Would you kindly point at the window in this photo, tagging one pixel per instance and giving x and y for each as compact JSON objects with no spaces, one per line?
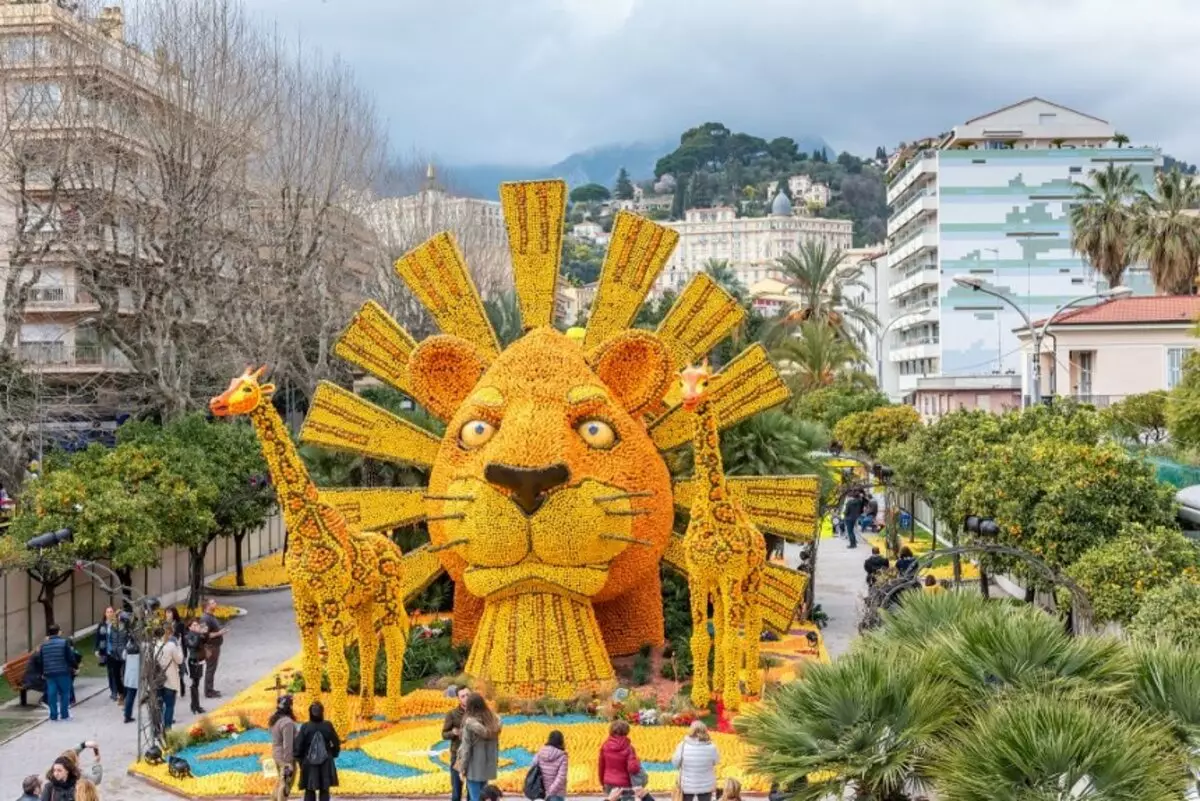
{"x":1046,"y":119}
{"x":1176,"y":358}
{"x":37,"y":99}
{"x":1076,"y":169}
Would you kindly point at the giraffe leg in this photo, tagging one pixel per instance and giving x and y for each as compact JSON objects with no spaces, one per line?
{"x":731,"y":591}
{"x":393,"y":625}
{"x":338,"y":710}
{"x":718,"y":686}
{"x":752,"y":633}
{"x":368,"y":651}
{"x":308,"y":618}
{"x":701,"y":694}
{"x":395,"y":639}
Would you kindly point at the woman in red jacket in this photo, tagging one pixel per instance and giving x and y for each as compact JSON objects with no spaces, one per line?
{"x":621,"y":772}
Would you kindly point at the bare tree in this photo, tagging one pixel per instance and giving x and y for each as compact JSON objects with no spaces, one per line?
{"x":321,"y":147}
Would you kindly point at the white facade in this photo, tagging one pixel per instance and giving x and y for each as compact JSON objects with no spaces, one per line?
{"x":750,"y":244}
{"x":478,"y":226}
{"x":989,"y":201}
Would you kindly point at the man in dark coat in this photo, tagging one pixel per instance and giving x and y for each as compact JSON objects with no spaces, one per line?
{"x":875,"y":562}
{"x":58,"y":659}
{"x":452,"y":733}
{"x":854,"y":508}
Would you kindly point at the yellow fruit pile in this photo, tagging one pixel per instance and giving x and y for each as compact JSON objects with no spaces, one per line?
{"x":265,"y":574}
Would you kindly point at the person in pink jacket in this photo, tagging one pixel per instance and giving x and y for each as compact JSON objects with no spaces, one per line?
{"x":551,"y":759}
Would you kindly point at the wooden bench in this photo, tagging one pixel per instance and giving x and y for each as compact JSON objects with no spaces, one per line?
{"x":14,"y":673}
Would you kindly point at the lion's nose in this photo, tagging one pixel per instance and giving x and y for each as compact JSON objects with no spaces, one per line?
{"x":528,"y":485}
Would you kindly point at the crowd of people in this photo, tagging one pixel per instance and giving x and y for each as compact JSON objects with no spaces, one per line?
{"x":860,"y":512}
{"x":179,"y":649}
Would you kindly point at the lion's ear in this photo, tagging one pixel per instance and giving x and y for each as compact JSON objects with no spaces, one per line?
{"x":636,"y":368}
{"x":444,"y":369}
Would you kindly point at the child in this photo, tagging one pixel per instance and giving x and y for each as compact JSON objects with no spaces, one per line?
{"x":32,"y":788}
{"x":732,"y":791}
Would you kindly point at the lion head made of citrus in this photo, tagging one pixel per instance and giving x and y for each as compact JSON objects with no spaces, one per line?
{"x":549,"y":501}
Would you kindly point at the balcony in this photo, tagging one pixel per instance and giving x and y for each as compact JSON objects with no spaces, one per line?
{"x":921,"y":203}
{"x":915,"y":278}
{"x":59,"y":299}
{"x":923,"y":348}
{"x":921,"y":165}
{"x":65,"y":357}
{"x":915,"y":314}
{"x":920,"y":240}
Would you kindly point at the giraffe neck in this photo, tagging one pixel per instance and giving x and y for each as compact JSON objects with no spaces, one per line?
{"x":706,"y":449}
{"x":293,"y":487}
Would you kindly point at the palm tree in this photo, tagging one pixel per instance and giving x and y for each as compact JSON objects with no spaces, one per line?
{"x":1166,"y":235}
{"x":816,"y":358}
{"x":816,"y":277}
{"x":1121,"y":139}
{"x":1102,"y":221}
{"x":863,"y":723}
{"x":720,"y":271}
{"x":504,"y":313}
{"x":1039,"y":746}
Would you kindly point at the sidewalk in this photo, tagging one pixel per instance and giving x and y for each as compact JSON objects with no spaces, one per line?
{"x":265,"y":637}
{"x":840,"y":584}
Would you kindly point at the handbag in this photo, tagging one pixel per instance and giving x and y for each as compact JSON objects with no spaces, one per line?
{"x":534,"y":786}
{"x":677,"y":791}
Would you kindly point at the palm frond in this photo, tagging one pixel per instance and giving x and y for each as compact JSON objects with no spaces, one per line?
{"x":1167,"y":682}
{"x":1043,"y":746}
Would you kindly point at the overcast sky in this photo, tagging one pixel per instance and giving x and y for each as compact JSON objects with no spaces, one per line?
{"x":530,"y":81}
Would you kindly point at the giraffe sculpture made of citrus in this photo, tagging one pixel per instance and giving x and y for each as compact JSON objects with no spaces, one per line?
{"x":346,"y":584}
{"x":726,"y":556}
{"x":549,"y":501}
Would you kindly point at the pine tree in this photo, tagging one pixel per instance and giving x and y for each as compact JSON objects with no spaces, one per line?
{"x":623,"y":190}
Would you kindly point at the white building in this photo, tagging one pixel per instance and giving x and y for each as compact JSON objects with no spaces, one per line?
{"x":749,"y":244}
{"x":478,"y":225}
{"x":988,"y":200}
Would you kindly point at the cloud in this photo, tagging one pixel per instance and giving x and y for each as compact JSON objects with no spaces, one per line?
{"x":529,"y":81}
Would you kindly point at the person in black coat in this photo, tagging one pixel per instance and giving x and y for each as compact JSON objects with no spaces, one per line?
{"x":317,"y":777}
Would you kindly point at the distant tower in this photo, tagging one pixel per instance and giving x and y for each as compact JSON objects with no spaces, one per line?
{"x":781,"y":206}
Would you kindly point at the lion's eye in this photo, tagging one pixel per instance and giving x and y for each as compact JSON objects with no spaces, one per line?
{"x":476,"y":433}
{"x":597,"y":434}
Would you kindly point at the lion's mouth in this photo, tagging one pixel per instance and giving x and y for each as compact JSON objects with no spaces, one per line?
{"x":584,"y":580}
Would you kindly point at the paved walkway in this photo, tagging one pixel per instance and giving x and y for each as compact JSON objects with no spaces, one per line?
{"x":266,"y":637}
{"x":840,"y":584}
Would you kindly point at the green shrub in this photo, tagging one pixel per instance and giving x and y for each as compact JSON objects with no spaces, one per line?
{"x":1117,"y":574}
{"x":1169,"y":614}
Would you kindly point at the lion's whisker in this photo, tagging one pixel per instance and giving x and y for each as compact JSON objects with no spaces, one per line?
{"x":450,"y":544}
{"x":449,"y":497}
{"x":621,"y":538}
{"x":454,"y":516}
{"x":627,"y":512}
{"x":620,"y":496}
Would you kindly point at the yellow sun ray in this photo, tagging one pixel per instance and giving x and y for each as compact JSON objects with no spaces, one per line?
{"x":636,"y":254}
{"x":783,"y":505}
{"x":535,"y":212}
{"x":749,"y":384}
{"x":340,"y":420}
{"x":421,"y":568}
{"x":378,"y":344}
{"x":377,"y":508}
{"x":782,"y":588}
{"x":437,"y":274}
{"x":702,"y":315}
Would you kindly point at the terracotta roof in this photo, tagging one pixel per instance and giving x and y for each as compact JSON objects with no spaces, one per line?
{"x":1131,"y":311}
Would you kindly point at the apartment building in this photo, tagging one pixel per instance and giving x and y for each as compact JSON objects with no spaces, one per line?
{"x":989,"y":200}
{"x":478,"y":225}
{"x":749,"y":244}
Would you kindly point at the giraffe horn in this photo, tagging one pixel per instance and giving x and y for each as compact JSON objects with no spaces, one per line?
{"x":258,"y":373}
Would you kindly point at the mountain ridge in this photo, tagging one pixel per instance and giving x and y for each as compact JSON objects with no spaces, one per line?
{"x":598,"y":164}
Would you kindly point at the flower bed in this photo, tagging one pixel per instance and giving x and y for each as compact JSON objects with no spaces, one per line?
{"x":944,"y":571}
{"x":222,"y":613}
{"x":409,"y":758}
{"x":267,"y":573}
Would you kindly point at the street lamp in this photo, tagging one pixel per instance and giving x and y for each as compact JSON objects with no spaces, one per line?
{"x":977,"y":285}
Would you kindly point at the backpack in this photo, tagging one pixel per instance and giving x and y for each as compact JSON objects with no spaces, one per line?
{"x":534,"y":786}
{"x":318,"y":752}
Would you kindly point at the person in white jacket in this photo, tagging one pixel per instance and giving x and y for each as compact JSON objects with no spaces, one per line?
{"x":696,"y":758}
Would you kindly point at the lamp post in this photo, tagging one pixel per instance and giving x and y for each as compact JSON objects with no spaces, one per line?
{"x":1037,"y":333}
{"x":879,"y":350}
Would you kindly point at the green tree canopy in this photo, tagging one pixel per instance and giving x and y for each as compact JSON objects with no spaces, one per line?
{"x":589,"y":193}
{"x":1139,"y":419}
{"x":1102,"y":221}
{"x":1169,"y":614}
{"x":1117,"y":574}
{"x":870,"y":432}
{"x":623,"y":190}
{"x":830,"y":404}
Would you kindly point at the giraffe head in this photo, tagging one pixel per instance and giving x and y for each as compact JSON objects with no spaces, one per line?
{"x":243,"y":396}
{"x":696,"y":384}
